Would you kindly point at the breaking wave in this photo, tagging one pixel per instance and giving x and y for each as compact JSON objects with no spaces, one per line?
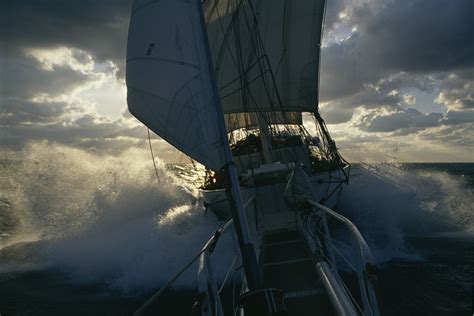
{"x":99,"y":218}
{"x":102,"y":218}
{"x":392,"y":204}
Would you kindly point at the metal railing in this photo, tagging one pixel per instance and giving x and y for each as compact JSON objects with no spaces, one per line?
{"x":209,"y":292}
{"x":209,"y":298}
{"x":364,"y":266}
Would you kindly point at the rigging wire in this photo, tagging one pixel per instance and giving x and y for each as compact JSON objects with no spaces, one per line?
{"x":152,"y":155}
{"x":210,"y":246}
{"x":155,"y":296}
{"x":246,"y":57}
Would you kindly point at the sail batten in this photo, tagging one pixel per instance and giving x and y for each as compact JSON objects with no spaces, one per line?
{"x":165,"y":60}
{"x":169,"y":79}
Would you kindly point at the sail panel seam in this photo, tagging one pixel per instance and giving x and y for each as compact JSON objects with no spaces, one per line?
{"x":165,"y":60}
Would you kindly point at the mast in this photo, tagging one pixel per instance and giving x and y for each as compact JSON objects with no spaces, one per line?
{"x":172,"y":90}
{"x":233,"y":191}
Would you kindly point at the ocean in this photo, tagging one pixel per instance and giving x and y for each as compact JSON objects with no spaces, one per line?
{"x":86,"y":234}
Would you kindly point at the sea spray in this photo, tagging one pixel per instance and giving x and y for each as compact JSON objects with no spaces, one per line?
{"x":391,"y":203}
{"x":105,"y":219}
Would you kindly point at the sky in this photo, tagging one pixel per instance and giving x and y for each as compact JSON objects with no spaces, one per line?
{"x":397,"y":78}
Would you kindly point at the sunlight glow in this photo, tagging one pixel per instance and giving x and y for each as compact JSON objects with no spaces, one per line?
{"x":102,"y":92}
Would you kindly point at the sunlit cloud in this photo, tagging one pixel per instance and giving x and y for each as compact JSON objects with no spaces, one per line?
{"x":101,"y":92}
{"x":76,"y":59}
{"x":396,"y":78}
{"x":457,"y":92}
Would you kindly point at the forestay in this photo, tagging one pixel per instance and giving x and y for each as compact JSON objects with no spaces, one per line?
{"x":266,"y":53}
{"x":170,"y":87}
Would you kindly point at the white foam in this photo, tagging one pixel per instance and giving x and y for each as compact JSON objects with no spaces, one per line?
{"x":389,"y":204}
{"x":106,"y":218}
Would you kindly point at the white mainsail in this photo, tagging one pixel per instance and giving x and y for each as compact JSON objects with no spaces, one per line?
{"x":170,"y":87}
{"x":280,"y":55}
{"x":250,"y":120}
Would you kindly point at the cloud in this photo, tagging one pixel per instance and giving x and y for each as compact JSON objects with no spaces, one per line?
{"x":400,"y":47}
{"x":458,"y":117}
{"x":459,"y":135}
{"x":392,"y":92}
{"x":51,"y":95}
{"x":62,"y":67}
{"x":335,"y":113}
{"x":333,"y":10}
{"x":457,"y":91}
{"x":76,"y":59}
{"x":409,"y":120}
{"x":17,"y":111}
{"x":24,"y":78}
{"x":61,"y":123}
{"x":407,"y":135}
{"x":57,"y":99}
{"x":441,"y":143}
{"x":61,"y":74}
{"x":99,"y":27}
{"x":404,"y":119}
{"x":417,"y":35}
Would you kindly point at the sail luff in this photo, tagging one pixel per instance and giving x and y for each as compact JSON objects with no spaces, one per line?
{"x":234,"y":194}
{"x":320,"y":43}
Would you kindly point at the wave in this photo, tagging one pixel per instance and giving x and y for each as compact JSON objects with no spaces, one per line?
{"x":103,"y":218}
{"x":391,"y":204}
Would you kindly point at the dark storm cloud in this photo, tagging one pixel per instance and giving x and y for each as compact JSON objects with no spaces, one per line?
{"x":335,"y":113}
{"x":458,"y":117}
{"x":26,"y":121}
{"x":418,"y":36}
{"x":17,"y":111}
{"x":413,"y":36}
{"x":405,"y":119}
{"x":24,"y":78}
{"x":462,"y":135}
{"x":409,"y":120}
{"x":96,"y":26}
{"x":92,"y":27}
{"x":457,"y":91}
{"x":384,"y":93}
{"x":333,"y":8}
{"x":398,"y":45}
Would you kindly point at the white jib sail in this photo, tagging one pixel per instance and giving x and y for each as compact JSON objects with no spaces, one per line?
{"x":169,"y":83}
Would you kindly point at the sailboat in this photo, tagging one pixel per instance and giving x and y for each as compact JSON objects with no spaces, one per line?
{"x":229,"y":83}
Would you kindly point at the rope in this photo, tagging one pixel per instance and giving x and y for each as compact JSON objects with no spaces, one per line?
{"x":342,"y":256}
{"x":152,"y":155}
{"x":228,"y":273}
{"x":210,"y":246}
{"x":350,"y":295}
{"x":155,"y":296}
